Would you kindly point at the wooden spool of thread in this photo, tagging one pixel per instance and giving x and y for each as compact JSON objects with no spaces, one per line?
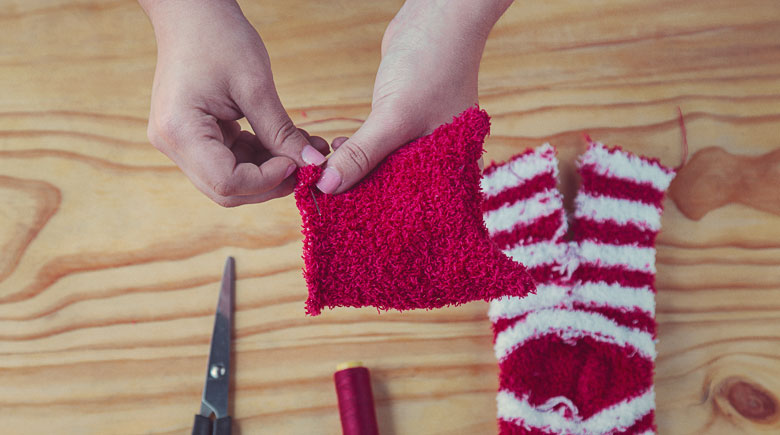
{"x":356,"y":402}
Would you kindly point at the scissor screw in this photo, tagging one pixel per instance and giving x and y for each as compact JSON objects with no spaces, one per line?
{"x":217,"y":371}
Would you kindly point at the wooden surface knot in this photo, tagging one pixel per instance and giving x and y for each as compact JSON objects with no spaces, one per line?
{"x":750,"y":400}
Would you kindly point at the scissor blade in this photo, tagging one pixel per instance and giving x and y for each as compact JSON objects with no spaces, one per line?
{"x":215,"y":391}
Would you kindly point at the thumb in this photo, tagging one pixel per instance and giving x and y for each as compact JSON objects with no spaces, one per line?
{"x":358,"y":155}
{"x":276,"y":131}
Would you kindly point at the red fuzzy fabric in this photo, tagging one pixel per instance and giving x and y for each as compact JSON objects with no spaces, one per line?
{"x":410,"y":234}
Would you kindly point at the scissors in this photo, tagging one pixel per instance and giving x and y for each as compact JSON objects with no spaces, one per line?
{"x":216,"y":388}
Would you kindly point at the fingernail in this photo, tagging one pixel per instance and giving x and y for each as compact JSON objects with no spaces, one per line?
{"x":290,"y":170}
{"x":330,"y":180}
{"x":311,"y":156}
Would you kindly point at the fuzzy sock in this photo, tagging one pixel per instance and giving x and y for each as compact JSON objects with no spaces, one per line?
{"x":410,"y":234}
{"x":577,"y":357}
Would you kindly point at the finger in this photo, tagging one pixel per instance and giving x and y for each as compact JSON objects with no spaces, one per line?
{"x":248,"y":149}
{"x":283,"y":189}
{"x":258,"y":153}
{"x":230,"y":131}
{"x":194,"y":140}
{"x":316,"y":141}
{"x":251,"y":179}
{"x":206,"y":158}
{"x":320,"y":144}
{"x":337,"y":142}
{"x":245,"y":153}
{"x":276,"y":131}
{"x":359,"y":154}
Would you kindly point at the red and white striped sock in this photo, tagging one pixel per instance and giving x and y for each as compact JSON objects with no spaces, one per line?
{"x":577,"y":357}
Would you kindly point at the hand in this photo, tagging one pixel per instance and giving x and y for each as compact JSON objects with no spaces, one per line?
{"x":213,"y":69}
{"x":430,"y":61}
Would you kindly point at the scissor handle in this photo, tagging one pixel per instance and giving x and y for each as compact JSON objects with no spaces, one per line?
{"x":204,"y":426}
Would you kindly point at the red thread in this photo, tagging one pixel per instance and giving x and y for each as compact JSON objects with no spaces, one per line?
{"x":356,"y":403}
{"x":684,"y":140}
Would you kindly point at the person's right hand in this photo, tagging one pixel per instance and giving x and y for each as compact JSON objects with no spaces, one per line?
{"x":212,"y":70}
{"x":431,"y":53}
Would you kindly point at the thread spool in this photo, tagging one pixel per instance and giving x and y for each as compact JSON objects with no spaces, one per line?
{"x":356,"y":402}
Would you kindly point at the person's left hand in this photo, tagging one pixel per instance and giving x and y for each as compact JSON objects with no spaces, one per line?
{"x":430,"y":61}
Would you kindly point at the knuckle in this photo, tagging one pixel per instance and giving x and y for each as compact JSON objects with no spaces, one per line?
{"x":354,"y":153}
{"x":262,"y":173}
{"x":285,"y":131}
{"x":255,"y":90}
{"x":166,"y":130}
{"x":153,"y":137}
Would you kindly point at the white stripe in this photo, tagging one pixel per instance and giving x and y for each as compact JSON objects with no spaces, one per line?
{"x":512,"y":408}
{"x":626,"y":166}
{"x":538,"y":254}
{"x":648,"y":432}
{"x":523,"y":212}
{"x":622,"y":415}
{"x":505,"y":307}
{"x":615,"y":295}
{"x":630,"y":256}
{"x":618,"y":417}
{"x":622,"y":211}
{"x":520,"y":170}
{"x":570,"y":325}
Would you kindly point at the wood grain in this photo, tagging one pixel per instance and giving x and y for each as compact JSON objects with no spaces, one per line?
{"x":110,"y":259}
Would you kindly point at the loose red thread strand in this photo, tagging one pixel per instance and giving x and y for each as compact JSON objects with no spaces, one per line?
{"x":683,"y":132}
{"x":356,"y":402}
{"x":684,"y":140}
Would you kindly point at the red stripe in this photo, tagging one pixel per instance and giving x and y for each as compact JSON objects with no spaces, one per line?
{"x":546,"y":274}
{"x":525,"y":190}
{"x":508,"y":428}
{"x":501,"y":325}
{"x":596,"y":184}
{"x":540,"y":230}
{"x":612,"y":275}
{"x":611,"y":232}
{"x":634,"y":318}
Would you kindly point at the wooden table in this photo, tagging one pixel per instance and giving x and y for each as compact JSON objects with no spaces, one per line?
{"x":110,"y":259}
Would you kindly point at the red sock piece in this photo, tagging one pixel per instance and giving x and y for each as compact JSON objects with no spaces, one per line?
{"x":410,"y":234}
